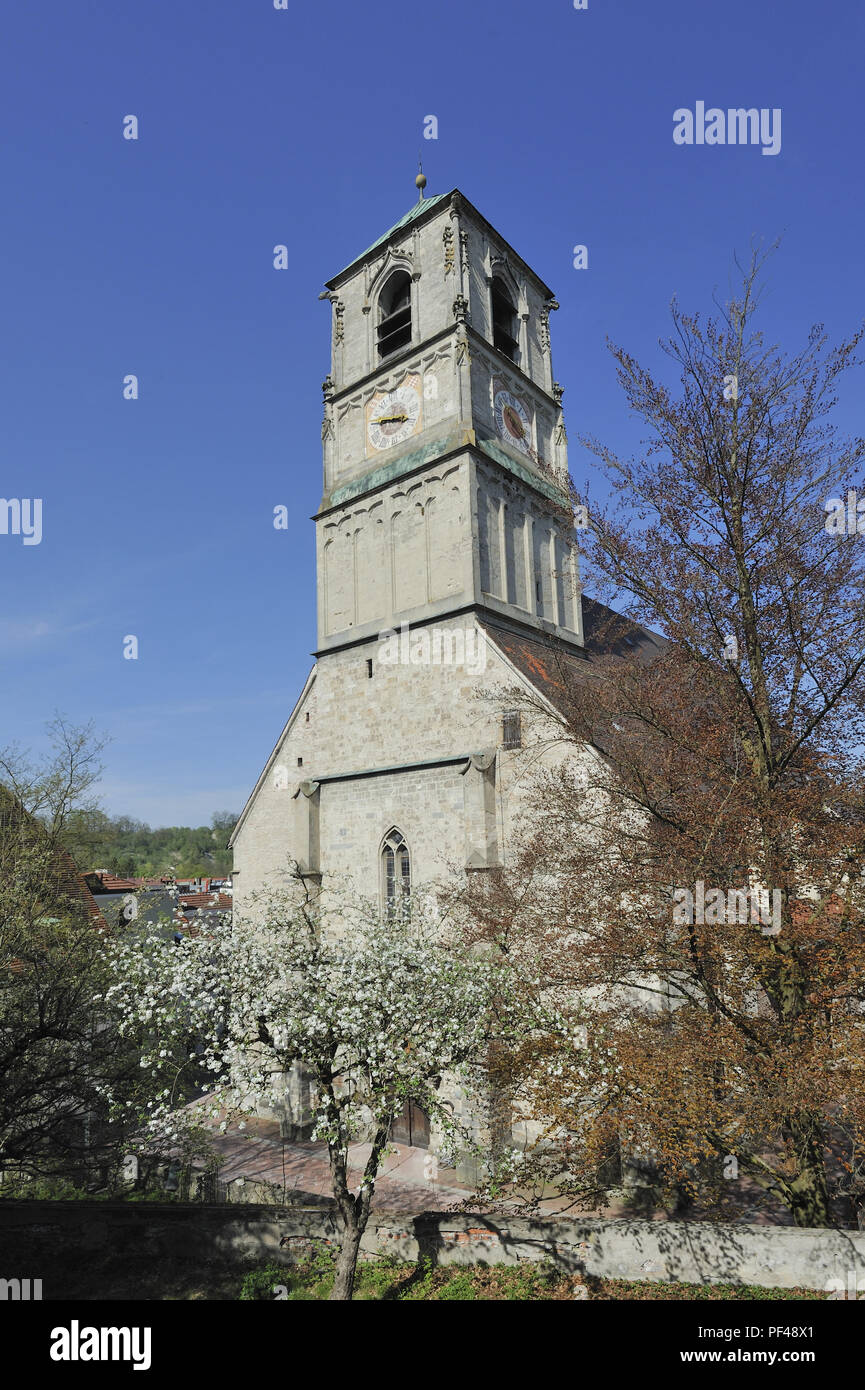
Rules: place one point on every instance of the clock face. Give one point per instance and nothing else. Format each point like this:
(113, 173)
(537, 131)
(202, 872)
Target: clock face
(394, 416)
(512, 420)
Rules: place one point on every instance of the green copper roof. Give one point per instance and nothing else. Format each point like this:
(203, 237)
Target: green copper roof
(422, 205)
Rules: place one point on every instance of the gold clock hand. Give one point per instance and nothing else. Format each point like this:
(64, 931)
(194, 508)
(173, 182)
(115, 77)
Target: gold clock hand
(390, 420)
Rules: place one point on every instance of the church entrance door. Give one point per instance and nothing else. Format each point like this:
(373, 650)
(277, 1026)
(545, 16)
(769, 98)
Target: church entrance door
(411, 1126)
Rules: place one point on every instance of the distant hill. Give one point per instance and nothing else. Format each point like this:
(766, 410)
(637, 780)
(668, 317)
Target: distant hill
(130, 848)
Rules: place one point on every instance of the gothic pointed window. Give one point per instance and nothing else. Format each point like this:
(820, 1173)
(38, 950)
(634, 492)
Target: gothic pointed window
(394, 314)
(395, 874)
(504, 321)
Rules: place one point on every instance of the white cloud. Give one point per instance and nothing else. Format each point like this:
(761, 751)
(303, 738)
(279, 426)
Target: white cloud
(23, 632)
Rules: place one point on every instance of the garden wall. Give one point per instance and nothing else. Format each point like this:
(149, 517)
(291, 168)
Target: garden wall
(692, 1252)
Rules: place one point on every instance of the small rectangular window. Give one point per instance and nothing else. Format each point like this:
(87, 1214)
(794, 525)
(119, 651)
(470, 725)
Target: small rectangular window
(300, 762)
(369, 667)
(512, 734)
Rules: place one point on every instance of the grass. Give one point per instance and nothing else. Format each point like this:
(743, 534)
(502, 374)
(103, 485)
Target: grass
(388, 1280)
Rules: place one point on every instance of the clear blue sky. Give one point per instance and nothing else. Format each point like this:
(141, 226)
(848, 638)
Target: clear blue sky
(260, 126)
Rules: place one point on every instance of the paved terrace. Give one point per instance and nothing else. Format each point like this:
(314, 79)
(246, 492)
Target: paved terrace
(259, 1155)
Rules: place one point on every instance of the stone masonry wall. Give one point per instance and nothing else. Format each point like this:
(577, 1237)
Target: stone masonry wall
(697, 1252)
(356, 722)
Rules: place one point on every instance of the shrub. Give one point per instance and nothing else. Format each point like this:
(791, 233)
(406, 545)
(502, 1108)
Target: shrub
(260, 1285)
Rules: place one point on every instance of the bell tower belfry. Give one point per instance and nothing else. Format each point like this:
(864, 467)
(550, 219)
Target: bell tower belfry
(445, 455)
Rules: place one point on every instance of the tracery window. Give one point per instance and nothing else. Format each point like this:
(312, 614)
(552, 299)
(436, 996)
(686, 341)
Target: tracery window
(396, 874)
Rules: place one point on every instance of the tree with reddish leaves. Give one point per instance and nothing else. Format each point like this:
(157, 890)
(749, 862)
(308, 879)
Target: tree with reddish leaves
(689, 883)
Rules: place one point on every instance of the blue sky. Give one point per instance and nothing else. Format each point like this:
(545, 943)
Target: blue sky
(261, 126)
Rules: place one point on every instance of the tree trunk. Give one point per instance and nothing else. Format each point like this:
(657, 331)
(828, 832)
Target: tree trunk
(808, 1191)
(354, 1210)
(343, 1284)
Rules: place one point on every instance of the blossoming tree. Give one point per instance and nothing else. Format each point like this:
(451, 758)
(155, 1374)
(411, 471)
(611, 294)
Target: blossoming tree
(375, 1011)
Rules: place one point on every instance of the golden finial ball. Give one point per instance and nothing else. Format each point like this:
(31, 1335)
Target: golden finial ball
(420, 181)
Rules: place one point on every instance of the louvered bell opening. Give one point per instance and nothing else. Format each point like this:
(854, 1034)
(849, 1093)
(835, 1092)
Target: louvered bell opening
(504, 324)
(394, 325)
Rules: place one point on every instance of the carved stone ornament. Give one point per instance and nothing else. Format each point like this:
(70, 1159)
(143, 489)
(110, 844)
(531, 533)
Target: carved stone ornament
(448, 241)
(544, 319)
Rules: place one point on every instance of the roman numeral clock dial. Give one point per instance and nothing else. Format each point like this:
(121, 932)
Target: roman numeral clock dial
(513, 421)
(393, 416)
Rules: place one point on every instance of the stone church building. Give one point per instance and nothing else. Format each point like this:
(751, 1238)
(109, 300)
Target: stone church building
(447, 572)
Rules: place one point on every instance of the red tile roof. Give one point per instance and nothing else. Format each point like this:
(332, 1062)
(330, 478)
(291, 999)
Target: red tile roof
(553, 667)
(215, 900)
(109, 883)
(74, 886)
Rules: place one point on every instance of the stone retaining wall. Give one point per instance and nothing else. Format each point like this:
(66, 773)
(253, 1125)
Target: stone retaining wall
(691, 1252)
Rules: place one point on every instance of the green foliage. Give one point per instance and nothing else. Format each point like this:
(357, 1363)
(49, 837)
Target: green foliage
(389, 1279)
(530, 1281)
(260, 1285)
(146, 1194)
(378, 1279)
(26, 1189)
(310, 1281)
(459, 1288)
(131, 848)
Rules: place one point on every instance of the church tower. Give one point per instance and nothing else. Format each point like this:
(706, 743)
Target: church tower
(446, 570)
(445, 519)
(445, 456)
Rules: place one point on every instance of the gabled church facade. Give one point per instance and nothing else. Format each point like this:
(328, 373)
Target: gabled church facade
(447, 571)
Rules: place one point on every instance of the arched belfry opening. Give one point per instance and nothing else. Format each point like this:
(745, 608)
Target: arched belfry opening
(395, 874)
(394, 314)
(505, 332)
